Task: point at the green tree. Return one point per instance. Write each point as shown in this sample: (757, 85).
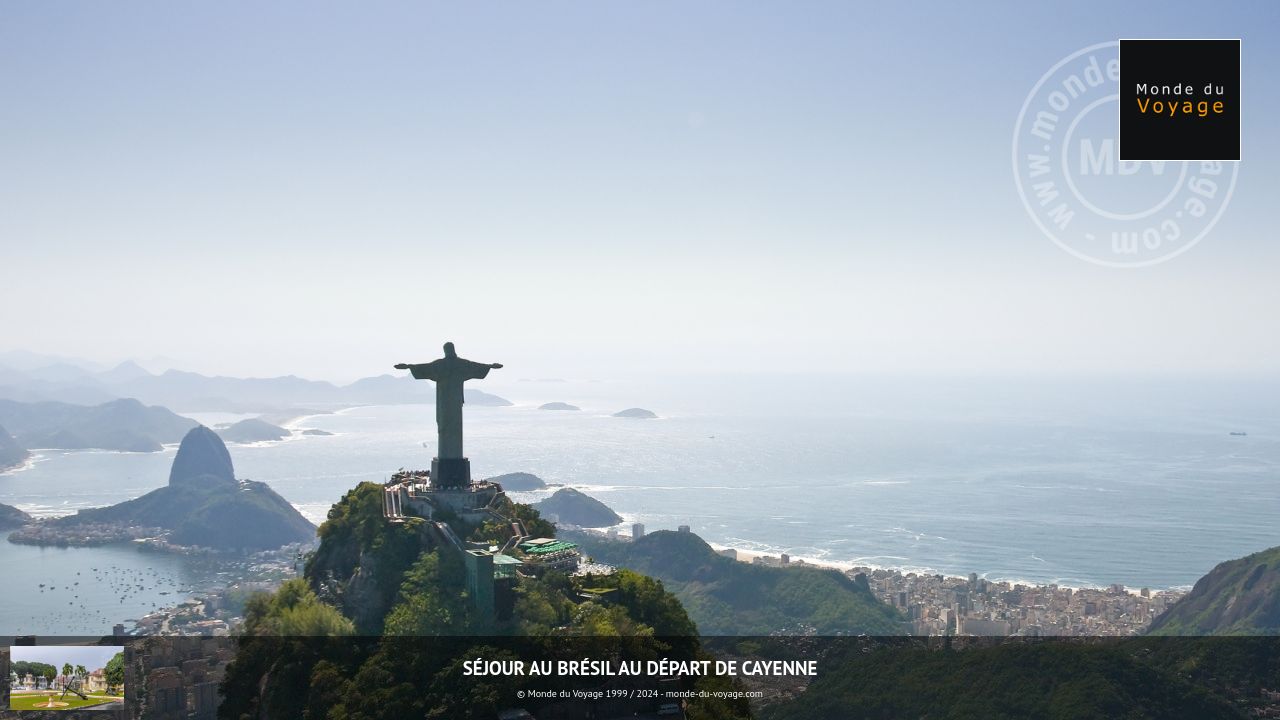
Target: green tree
(613, 620)
(115, 672)
(540, 607)
(651, 604)
(499, 531)
(328, 687)
(455, 696)
(432, 599)
(35, 669)
(294, 611)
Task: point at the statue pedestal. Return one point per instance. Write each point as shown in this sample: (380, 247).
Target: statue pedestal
(450, 472)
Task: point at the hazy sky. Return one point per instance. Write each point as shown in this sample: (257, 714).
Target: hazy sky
(91, 657)
(579, 188)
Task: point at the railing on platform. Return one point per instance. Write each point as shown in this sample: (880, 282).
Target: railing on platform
(391, 504)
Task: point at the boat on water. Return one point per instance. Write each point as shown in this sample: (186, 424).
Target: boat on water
(1239, 434)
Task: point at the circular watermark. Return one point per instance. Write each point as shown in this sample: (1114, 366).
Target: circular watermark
(1099, 208)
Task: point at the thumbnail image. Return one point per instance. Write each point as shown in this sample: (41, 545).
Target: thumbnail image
(65, 677)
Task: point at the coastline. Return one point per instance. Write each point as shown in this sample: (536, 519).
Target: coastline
(765, 556)
(293, 422)
(936, 604)
(27, 463)
(749, 556)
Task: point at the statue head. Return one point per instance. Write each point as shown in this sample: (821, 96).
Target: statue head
(449, 351)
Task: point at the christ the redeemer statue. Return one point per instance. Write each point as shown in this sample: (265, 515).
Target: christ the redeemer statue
(450, 468)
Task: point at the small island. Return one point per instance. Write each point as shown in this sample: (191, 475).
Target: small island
(577, 508)
(253, 430)
(315, 432)
(519, 481)
(558, 406)
(638, 413)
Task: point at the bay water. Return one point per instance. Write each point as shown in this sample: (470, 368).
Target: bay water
(1080, 481)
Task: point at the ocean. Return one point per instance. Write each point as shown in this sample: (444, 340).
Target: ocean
(1083, 482)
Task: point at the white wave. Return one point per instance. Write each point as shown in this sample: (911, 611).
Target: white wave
(27, 464)
(589, 488)
(41, 510)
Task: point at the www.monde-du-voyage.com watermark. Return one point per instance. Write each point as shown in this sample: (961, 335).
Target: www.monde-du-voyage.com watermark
(1090, 203)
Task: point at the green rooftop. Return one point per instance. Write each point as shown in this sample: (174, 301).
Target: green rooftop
(547, 548)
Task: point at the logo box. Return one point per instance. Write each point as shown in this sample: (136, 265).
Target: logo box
(1179, 100)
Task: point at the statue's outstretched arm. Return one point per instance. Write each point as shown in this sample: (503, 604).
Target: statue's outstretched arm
(495, 366)
(402, 366)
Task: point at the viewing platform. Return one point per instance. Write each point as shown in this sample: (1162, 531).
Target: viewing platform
(410, 493)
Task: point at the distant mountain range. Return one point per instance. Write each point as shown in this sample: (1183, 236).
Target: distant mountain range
(190, 392)
(126, 408)
(203, 505)
(115, 425)
(64, 405)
